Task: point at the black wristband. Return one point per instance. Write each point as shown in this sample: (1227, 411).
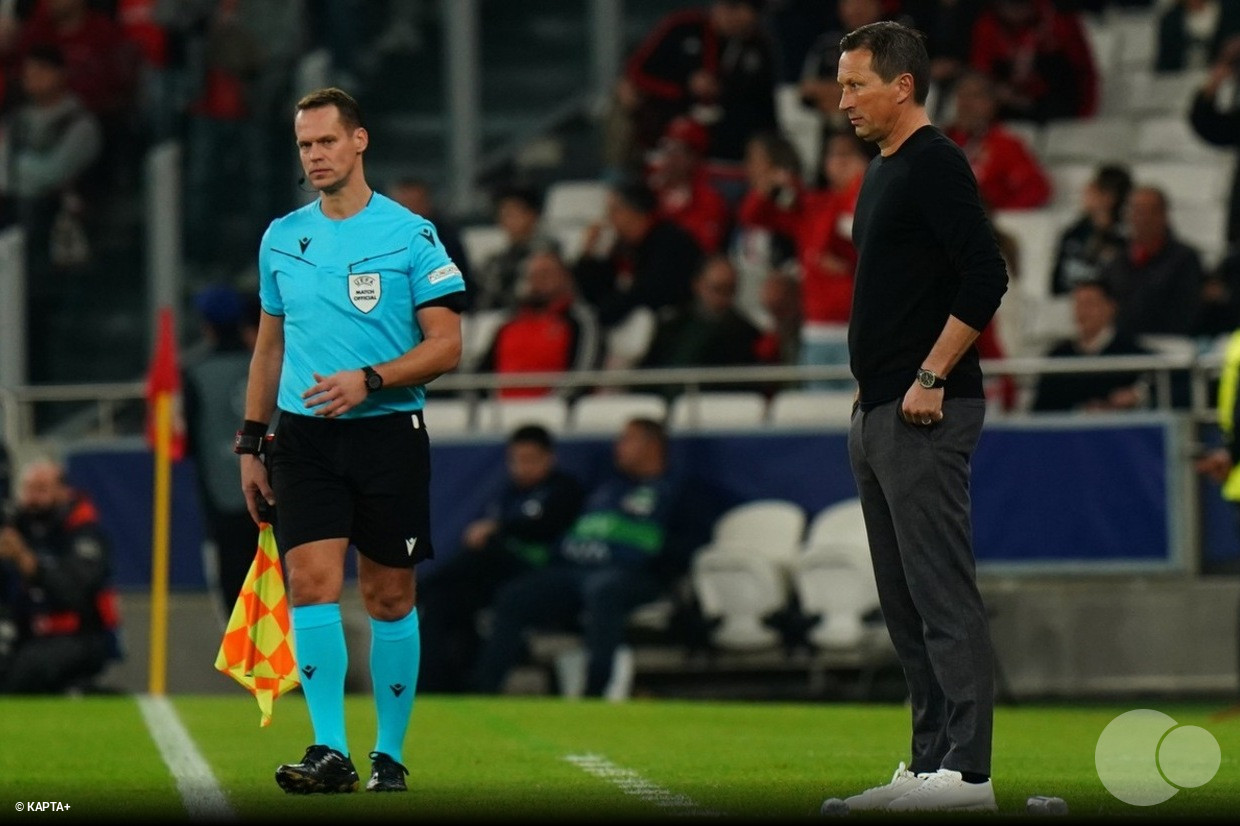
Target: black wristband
(251, 438)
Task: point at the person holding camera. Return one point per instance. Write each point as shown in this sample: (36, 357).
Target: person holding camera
(54, 586)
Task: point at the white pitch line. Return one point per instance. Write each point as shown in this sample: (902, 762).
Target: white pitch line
(632, 783)
(200, 791)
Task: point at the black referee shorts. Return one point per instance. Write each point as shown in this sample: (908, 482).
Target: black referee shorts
(366, 479)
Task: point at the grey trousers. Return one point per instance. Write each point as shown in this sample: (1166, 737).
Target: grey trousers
(913, 482)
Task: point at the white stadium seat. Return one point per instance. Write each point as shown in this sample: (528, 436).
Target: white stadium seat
(574, 203)
(481, 242)
(1185, 183)
(448, 416)
(718, 410)
(1095, 140)
(811, 408)
(772, 527)
(549, 411)
(608, 412)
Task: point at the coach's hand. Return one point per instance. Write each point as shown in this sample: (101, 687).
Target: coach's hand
(335, 394)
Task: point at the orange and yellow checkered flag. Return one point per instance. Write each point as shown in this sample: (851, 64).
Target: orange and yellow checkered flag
(257, 649)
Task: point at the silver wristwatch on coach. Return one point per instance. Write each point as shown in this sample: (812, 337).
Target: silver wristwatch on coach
(929, 379)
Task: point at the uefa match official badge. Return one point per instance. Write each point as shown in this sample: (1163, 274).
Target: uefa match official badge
(364, 290)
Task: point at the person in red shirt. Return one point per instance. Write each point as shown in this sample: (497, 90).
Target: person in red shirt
(1009, 175)
(686, 197)
(551, 330)
(827, 257)
(1041, 58)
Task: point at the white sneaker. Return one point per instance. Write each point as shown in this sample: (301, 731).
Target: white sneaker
(902, 782)
(945, 790)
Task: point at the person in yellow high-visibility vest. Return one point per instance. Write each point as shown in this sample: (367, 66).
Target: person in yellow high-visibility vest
(1222, 464)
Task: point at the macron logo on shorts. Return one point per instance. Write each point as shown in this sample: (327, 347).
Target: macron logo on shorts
(410, 544)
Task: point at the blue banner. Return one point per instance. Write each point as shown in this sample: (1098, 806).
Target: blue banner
(1047, 495)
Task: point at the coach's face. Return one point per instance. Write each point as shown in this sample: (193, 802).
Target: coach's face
(871, 104)
(330, 152)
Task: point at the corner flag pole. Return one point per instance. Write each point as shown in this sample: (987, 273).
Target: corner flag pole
(159, 544)
(163, 387)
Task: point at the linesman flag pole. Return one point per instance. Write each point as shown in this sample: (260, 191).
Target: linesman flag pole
(167, 439)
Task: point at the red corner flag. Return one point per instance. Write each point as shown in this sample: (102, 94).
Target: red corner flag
(164, 378)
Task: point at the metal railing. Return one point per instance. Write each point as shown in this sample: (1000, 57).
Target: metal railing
(18, 405)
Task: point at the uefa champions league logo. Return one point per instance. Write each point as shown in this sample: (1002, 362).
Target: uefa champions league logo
(1144, 757)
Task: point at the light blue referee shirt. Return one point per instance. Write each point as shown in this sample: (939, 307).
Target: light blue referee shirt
(348, 291)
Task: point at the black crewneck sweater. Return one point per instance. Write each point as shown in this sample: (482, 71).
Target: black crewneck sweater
(926, 250)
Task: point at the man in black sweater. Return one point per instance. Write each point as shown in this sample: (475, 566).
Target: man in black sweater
(929, 278)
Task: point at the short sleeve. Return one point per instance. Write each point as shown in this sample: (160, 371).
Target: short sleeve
(268, 292)
(431, 270)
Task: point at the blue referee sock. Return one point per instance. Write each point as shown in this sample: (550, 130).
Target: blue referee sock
(395, 655)
(322, 659)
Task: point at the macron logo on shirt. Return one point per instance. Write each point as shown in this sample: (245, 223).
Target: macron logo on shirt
(410, 544)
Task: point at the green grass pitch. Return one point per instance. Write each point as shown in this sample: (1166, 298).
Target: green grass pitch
(538, 759)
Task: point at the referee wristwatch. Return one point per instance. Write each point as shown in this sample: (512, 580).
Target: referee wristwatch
(373, 380)
(929, 379)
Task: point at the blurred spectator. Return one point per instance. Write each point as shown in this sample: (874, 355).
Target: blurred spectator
(1093, 311)
(213, 396)
(6, 473)
(828, 258)
(796, 26)
(55, 569)
(550, 330)
(1009, 175)
(819, 89)
(716, 64)
(417, 196)
(1157, 281)
(769, 218)
(948, 26)
(240, 87)
(518, 211)
(1192, 32)
(711, 332)
(1040, 57)
(51, 154)
(612, 560)
(1218, 121)
(516, 533)
(1096, 237)
(781, 301)
(101, 64)
(686, 196)
(638, 259)
(1220, 298)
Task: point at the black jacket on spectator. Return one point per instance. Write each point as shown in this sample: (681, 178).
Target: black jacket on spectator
(1068, 391)
(684, 43)
(1160, 296)
(655, 273)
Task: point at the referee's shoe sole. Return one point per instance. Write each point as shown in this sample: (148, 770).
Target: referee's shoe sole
(322, 771)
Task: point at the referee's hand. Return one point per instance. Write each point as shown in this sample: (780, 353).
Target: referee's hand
(255, 486)
(338, 393)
